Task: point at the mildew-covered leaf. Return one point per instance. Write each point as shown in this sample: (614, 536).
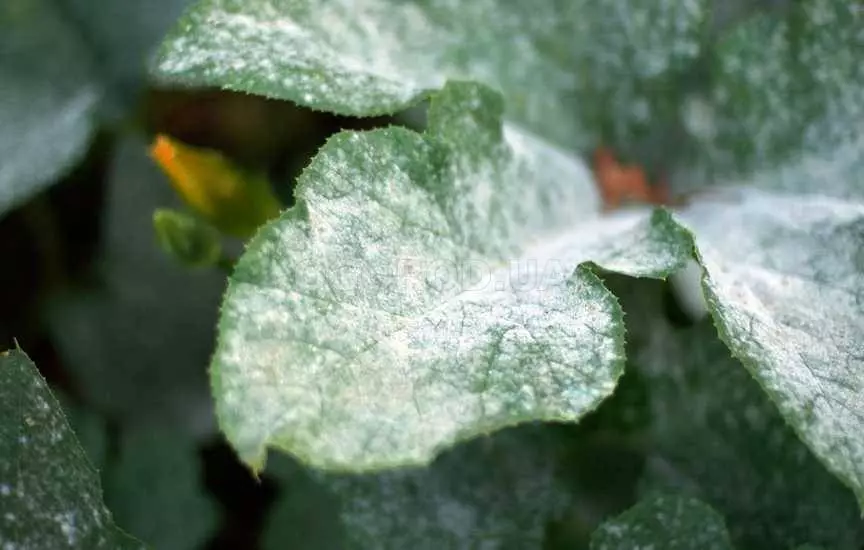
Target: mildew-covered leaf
(425, 289)
(664, 521)
(712, 433)
(782, 83)
(568, 69)
(49, 492)
(494, 492)
(785, 283)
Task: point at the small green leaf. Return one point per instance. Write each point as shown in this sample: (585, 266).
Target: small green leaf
(187, 239)
(155, 489)
(49, 492)
(426, 289)
(664, 521)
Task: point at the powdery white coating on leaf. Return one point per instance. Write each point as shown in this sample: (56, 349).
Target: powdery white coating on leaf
(786, 285)
(784, 82)
(49, 492)
(664, 522)
(426, 290)
(557, 63)
(741, 456)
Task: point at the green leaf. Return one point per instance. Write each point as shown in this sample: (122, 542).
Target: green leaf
(782, 85)
(60, 63)
(785, 283)
(664, 521)
(715, 435)
(48, 98)
(49, 492)
(156, 489)
(494, 492)
(423, 291)
(568, 69)
(187, 239)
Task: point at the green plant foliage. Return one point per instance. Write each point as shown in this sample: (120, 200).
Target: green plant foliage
(390, 314)
(155, 489)
(644, 74)
(500, 491)
(663, 521)
(345, 368)
(115, 337)
(47, 101)
(49, 492)
(714, 434)
(61, 65)
(567, 68)
(187, 239)
(458, 344)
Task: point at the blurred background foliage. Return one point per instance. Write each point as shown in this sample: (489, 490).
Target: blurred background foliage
(124, 333)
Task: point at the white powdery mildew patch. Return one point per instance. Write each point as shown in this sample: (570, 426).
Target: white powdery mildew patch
(374, 48)
(787, 276)
(376, 331)
(788, 84)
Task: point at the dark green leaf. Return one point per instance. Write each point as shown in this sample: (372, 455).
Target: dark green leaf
(49, 493)
(497, 492)
(155, 489)
(664, 521)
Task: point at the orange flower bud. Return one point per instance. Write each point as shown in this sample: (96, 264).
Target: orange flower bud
(233, 200)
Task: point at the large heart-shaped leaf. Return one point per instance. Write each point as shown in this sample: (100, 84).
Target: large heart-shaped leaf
(422, 293)
(49, 492)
